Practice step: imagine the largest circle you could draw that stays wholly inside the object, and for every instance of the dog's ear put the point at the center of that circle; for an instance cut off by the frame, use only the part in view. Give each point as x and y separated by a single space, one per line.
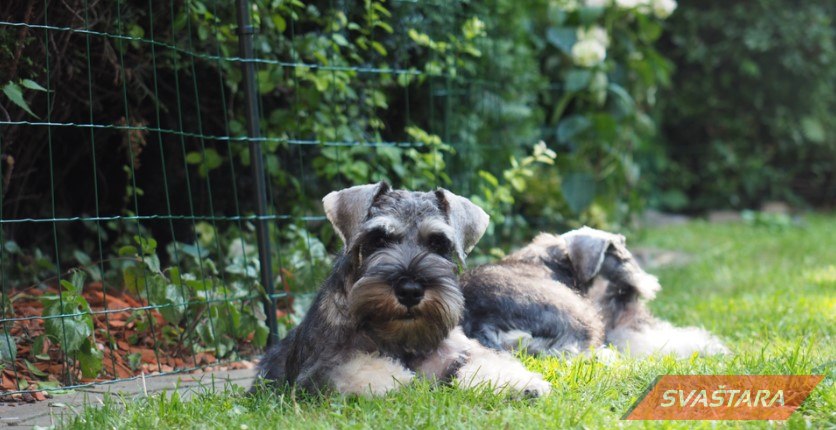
469 221
347 208
587 248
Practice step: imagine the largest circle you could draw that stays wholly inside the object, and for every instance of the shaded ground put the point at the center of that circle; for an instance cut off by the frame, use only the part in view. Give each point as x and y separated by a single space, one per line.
131 339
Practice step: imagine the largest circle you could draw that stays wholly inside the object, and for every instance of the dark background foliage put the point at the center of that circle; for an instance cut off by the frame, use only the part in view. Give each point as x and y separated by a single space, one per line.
745 118
750 114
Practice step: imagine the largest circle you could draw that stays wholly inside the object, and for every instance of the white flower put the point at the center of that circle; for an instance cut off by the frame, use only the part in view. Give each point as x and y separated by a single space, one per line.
588 53
597 3
596 33
663 8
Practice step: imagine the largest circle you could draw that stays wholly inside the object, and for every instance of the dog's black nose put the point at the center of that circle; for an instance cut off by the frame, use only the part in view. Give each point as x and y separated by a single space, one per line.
409 293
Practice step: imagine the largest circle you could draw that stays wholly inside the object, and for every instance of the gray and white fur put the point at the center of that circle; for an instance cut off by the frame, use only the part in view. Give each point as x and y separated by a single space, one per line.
567 294
390 309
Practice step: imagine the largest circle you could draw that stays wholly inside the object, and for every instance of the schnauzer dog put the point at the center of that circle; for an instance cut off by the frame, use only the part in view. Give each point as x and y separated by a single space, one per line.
390 310
567 294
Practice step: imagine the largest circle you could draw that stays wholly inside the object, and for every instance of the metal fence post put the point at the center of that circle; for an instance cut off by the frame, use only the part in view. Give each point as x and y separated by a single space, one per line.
245 47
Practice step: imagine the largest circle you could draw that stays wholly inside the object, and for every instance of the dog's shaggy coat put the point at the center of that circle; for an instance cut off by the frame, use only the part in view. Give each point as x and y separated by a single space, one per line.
390 309
567 294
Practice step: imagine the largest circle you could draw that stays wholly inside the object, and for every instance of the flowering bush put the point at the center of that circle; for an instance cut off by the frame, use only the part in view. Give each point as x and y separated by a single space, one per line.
602 73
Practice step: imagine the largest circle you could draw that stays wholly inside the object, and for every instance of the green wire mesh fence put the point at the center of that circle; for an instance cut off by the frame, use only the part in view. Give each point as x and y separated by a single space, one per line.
133 239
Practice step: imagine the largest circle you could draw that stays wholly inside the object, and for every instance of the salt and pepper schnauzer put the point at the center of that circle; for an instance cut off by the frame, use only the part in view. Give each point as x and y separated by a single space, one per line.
567 294
390 310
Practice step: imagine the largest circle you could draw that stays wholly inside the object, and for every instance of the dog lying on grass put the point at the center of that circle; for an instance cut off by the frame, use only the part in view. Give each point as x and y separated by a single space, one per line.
567 294
390 310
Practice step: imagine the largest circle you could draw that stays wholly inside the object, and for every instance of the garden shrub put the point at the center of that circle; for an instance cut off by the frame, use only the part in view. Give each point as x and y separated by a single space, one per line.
750 114
537 110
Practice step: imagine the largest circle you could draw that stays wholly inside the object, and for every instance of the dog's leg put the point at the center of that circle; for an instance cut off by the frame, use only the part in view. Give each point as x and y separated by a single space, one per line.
368 374
475 365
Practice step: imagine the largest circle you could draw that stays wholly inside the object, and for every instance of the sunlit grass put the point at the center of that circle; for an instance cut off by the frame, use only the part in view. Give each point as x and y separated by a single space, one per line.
769 292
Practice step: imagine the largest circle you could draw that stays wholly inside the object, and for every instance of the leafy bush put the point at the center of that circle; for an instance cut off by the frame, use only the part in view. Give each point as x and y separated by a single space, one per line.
750 113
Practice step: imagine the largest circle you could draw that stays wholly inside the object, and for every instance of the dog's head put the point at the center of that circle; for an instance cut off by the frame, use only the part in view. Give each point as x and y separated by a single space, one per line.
402 247
602 258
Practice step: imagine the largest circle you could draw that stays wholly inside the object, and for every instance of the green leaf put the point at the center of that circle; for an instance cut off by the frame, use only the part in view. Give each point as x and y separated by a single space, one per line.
169 297
649 29
77 279
153 263
193 157
518 183
489 178
131 278
69 331
34 370
377 46
38 348
562 38
260 335
588 15
813 129
136 31
206 160
195 251
12 247
578 190
134 360
15 94
339 39
577 79
148 244
8 348
571 126
82 257
128 251
32 85
52 385
279 22
205 233
68 286
625 104
90 359
605 126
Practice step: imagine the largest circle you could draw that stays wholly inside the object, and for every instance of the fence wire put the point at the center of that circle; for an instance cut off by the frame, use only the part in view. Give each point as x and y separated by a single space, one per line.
128 212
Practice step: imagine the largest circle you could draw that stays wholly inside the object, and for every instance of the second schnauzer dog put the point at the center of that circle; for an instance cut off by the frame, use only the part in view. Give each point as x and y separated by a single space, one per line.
390 310
567 294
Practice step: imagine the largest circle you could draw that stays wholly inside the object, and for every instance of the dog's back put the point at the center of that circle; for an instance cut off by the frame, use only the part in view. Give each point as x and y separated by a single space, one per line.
521 302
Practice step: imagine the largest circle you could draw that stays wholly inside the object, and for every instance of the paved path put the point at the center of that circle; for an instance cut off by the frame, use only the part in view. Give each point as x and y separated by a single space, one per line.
53 411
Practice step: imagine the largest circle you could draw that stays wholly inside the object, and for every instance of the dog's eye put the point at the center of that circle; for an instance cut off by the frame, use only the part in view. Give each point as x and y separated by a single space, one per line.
375 240
440 244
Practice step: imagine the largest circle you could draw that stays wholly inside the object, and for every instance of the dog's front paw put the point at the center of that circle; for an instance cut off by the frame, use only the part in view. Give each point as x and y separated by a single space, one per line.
370 375
536 388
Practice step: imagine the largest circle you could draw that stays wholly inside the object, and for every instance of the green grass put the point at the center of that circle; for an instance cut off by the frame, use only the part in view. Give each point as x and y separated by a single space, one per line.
769 291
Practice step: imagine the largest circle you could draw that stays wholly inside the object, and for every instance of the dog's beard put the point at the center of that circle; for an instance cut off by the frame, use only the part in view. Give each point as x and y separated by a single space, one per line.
395 328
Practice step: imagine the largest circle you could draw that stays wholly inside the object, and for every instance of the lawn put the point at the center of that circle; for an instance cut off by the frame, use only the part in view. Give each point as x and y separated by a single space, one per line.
767 288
